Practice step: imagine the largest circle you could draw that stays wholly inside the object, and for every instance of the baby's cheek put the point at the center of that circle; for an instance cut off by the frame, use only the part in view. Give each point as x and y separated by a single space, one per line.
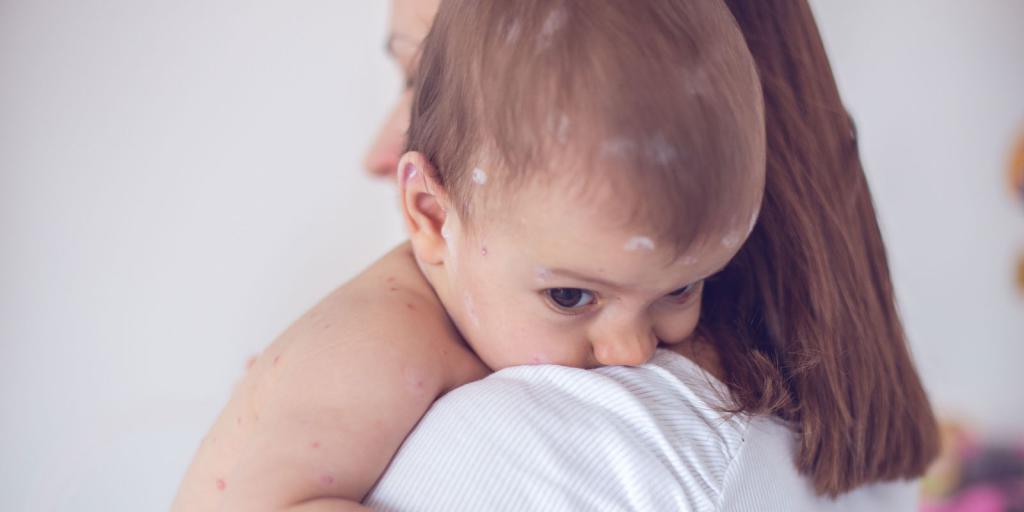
529 347
561 348
497 342
522 348
674 327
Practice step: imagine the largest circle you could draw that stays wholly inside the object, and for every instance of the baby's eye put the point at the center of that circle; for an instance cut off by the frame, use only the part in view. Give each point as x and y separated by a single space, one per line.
682 295
570 298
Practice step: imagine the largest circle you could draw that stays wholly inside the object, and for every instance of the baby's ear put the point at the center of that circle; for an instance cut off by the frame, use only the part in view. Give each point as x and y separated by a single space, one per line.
425 206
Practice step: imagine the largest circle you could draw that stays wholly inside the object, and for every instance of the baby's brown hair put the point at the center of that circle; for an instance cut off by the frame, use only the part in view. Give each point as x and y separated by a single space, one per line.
804 317
659 98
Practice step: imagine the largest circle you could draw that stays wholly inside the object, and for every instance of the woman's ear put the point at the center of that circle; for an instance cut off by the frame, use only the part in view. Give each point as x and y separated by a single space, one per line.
424 204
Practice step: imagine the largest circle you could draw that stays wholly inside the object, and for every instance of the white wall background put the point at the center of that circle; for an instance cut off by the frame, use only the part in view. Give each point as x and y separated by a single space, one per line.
180 179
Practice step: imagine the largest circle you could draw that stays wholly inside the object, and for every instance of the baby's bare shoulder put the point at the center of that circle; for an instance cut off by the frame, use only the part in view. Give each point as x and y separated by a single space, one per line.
391 310
324 408
351 377
387 307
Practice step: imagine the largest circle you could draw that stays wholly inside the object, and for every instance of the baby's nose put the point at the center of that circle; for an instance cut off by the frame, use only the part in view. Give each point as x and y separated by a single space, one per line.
626 348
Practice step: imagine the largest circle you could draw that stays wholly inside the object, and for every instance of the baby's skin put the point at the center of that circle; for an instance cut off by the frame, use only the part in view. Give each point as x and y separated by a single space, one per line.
556 278
321 412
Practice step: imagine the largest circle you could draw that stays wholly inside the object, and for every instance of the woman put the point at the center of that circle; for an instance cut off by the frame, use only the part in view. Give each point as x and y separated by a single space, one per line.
810 283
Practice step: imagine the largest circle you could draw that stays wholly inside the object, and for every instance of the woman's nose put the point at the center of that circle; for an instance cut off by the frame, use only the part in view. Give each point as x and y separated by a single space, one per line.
626 347
381 159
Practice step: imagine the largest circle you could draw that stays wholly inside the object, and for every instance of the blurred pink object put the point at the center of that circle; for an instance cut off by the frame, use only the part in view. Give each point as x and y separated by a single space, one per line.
982 498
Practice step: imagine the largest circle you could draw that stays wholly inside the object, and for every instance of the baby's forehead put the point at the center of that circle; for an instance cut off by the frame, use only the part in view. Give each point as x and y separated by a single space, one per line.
633 257
604 194
594 218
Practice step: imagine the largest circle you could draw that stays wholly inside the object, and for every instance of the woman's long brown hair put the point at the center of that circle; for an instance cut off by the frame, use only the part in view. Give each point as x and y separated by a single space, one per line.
804 317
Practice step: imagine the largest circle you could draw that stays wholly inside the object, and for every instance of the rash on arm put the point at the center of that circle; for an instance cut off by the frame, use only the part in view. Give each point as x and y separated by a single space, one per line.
332 417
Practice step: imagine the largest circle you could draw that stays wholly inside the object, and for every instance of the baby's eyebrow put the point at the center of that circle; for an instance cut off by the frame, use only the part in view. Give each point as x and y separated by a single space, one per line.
611 284
590 279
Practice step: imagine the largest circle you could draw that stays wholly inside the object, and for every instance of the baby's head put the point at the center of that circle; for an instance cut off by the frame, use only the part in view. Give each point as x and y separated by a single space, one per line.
577 168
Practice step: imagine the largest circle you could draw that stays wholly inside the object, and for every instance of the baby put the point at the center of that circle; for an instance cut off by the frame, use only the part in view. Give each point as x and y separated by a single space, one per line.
575 172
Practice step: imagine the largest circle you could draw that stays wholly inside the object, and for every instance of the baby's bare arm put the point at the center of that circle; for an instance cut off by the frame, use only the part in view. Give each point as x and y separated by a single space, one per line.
335 410
322 411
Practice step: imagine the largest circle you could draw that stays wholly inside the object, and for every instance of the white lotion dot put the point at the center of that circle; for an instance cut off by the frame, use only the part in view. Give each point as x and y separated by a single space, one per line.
406 173
617 147
697 82
543 274
512 37
554 22
479 176
559 126
689 260
639 242
731 240
661 151
445 232
471 309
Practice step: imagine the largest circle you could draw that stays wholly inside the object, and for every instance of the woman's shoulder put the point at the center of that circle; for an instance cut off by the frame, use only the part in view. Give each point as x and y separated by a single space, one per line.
665 420
650 437
653 434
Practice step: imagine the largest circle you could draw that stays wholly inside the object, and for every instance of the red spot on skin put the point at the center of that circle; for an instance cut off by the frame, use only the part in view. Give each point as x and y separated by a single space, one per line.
255 417
327 479
314 444
238 420
394 289
483 251
535 360
276 359
391 279
221 484
327 326
413 380
411 307
251 361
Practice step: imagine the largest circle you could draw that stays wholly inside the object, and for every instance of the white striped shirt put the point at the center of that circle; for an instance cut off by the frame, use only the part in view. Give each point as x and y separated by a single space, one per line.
616 438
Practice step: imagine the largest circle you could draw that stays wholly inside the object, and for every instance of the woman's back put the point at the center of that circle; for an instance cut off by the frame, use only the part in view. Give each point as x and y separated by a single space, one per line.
616 438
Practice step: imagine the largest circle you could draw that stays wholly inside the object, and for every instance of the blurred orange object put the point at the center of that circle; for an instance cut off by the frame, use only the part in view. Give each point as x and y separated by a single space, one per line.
1020 272
1016 182
1016 174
